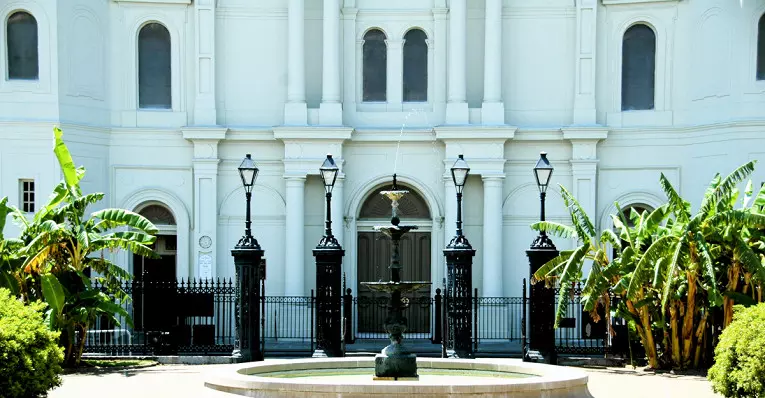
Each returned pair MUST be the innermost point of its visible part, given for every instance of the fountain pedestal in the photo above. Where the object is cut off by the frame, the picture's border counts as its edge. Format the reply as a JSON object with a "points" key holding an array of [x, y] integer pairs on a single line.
{"points": [[395, 362]]}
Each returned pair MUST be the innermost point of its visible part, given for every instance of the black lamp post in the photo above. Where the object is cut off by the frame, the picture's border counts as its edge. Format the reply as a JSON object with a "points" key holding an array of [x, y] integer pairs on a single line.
{"points": [[247, 256], [543, 173], [459, 263], [542, 309], [329, 258]]}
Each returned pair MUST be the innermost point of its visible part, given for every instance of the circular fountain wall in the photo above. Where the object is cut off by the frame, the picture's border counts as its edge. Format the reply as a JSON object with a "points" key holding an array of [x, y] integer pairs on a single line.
{"points": [[353, 377]]}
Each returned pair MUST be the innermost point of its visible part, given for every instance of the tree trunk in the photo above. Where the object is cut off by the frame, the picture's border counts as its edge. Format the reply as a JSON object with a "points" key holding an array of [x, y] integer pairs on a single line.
{"points": [[81, 346], [700, 339], [688, 317], [646, 335], [675, 348], [733, 275]]}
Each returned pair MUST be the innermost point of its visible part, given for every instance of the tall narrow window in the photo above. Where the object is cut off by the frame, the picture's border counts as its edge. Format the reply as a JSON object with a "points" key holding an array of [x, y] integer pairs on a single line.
{"points": [[375, 66], [23, 61], [415, 66], [154, 74], [638, 68], [27, 195], [761, 49]]}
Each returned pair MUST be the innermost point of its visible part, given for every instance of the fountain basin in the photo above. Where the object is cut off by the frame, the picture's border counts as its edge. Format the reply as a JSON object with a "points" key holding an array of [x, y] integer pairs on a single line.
{"points": [[353, 377]]}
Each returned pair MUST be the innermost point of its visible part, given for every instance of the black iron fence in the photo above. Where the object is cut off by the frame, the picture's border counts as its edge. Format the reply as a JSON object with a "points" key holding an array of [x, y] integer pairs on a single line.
{"points": [[198, 317], [580, 332]]}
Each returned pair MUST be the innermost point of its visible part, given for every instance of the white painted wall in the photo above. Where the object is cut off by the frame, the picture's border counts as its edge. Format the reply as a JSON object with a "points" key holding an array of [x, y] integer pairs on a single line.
{"points": [[708, 117]]}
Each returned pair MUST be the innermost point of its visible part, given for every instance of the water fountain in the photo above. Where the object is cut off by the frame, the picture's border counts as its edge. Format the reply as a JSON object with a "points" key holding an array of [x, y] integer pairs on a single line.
{"points": [[395, 362]]}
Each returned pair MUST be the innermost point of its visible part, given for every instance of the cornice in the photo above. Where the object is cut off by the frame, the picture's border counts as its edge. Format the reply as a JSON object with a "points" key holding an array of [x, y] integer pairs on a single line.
{"points": [[154, 1], [204, 133], [585, 133], [312, 133], [475, 132], [625, 2]]}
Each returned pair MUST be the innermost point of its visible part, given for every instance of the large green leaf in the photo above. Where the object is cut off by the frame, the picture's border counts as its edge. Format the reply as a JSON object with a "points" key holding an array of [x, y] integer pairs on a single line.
{"points": [[644, 270], [567, 278], [53, 292], [556, 229], [553, 267], [579, 217], [5, 210], [65, 159], [677, 204], [113, 218]]}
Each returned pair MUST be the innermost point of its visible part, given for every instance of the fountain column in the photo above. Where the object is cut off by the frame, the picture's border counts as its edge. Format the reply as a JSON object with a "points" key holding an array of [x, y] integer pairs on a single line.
{"points": [[296, 110], [456, 107], [331, 110], [294, 242], [492, 235]]}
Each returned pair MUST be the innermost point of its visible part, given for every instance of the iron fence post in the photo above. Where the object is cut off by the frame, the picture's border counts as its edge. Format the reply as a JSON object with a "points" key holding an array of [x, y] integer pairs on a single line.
{"points": [[542, 311], [437, 304]]}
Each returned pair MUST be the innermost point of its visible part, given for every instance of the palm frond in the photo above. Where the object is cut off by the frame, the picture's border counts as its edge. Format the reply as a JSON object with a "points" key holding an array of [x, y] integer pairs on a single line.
{"points": [[112, 218], [726, 186], [556, 229], [578, 215], [552, 267], [569, 276], [708, 270], [672, 268], [676, 203], [643, 270], [624, 224]]}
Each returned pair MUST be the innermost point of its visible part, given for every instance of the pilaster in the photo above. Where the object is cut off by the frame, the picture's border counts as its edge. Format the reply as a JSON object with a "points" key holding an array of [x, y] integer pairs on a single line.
{"points": [[205, 163], [330, 109], [584, 161], [439, 45], [295, 109], [350, 52], [456, 107], [586, 43], [205, 113], [493, 109]]}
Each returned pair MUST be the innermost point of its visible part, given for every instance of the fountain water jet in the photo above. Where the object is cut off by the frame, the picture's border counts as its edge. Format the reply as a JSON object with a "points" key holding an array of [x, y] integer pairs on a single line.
{"points": [[395, 362]]}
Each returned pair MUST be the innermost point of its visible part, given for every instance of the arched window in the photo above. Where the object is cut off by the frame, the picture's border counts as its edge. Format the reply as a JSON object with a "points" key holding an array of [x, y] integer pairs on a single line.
{"points": [[761, 49], [638, 68], [154, 74], [639, 209], [23, 61], [375, 66], [415, 66]]}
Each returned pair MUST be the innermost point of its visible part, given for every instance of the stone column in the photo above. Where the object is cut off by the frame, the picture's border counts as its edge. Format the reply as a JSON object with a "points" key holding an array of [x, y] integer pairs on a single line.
{"points": [[493, 109], [586, 43], [205, 162], [295, 237], [456, 107], [331, 110], [338, 207], [204, 43], [295, 110], [492, 235], [395, 73]]}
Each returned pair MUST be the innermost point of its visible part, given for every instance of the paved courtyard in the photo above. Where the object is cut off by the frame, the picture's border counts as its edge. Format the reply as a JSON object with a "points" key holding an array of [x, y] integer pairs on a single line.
{"points": [[186, 381]]}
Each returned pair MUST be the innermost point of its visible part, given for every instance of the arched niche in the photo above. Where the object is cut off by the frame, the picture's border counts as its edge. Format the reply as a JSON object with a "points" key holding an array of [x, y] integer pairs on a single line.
{"points": [[377, 206]]}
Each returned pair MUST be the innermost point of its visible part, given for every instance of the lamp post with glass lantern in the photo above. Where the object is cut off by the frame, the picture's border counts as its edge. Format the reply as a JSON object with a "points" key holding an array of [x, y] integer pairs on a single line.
{"points": [[247, 256], [459, 263], [542, 299], [329, 258]]}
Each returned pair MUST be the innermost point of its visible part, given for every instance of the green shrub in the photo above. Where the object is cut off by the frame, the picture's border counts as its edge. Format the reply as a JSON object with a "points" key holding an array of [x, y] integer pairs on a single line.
{"points": [[30, 358], [739, 369]]}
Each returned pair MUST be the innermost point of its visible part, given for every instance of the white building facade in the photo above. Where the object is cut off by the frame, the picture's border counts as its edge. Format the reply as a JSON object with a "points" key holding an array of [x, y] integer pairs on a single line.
{"points": [[161, 99]]}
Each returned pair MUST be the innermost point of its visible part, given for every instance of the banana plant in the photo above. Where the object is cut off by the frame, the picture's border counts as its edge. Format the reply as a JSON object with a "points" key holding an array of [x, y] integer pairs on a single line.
{"points": [[567, 268], [62, 242]]}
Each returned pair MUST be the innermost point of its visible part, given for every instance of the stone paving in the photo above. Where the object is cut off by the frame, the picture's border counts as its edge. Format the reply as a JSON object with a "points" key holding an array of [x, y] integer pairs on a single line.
{"points": [[186, 381]]}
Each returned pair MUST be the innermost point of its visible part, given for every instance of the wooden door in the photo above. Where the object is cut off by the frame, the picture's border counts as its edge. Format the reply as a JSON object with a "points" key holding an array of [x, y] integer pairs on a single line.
{"points": [[374, 251]]}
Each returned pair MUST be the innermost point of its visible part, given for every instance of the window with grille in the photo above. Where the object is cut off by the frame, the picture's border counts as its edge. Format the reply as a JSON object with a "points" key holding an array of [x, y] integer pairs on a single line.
{"points": [[27, 195], [21, 36], [154, 67], [638, 68], [375, 61], [415, 66]]}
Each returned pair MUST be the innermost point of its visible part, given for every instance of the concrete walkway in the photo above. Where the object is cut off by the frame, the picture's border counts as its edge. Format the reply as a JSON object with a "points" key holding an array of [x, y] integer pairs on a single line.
{"points": [[186, 381]]}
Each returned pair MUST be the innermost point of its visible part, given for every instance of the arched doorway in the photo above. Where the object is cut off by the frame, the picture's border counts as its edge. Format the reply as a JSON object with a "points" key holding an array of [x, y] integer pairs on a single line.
{"points": [[373, 259], [156, 276]]}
